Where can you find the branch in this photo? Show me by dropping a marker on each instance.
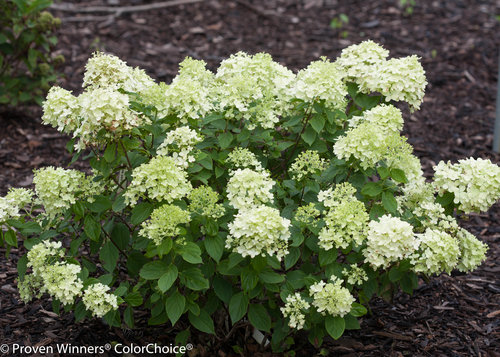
(120, 9)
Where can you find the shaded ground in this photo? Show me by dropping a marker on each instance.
(459, 45)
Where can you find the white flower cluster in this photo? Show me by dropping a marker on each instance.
(14, 201)
(294, 309)
(97, 299)
(321, 80)
(474, 182)
(179, 144)
(307, 214)
(159, 179)
(358, 61)
(355, 275)
(108, 71)
(101, 112)
(399, 79)
(254, 88)
(190, 93)
(164, 223)
(331, 298)
(57, 188)
(306, 164)
(247, 188)
(389, 240)
(243, 158)
(385, 116)
(472, 251)
(345, 220)
(203, 200)
(259, 230)
(50, 275)
(438, 252)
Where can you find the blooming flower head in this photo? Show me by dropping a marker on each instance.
(248, 188)
(253, 88)
(97, 299)
(203, 201)
(384, 115)
(259, 230)
(108, 71)
(159, 179)
(57, 188)
(294, 309)
(438, 252)
(355, 275)
(357, 61)
(474, 182)
(164, 223)
(472, 251)
(307, 214)
(331, 298)
(306, 164)
(321, 80)
(389, 240)
(179, 144)
(189, 94)
(15, 200)
(60, 280)
(345, 220)
(43, 254)
(242, 158)
(61, 110)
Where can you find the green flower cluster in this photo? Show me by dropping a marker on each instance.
(164, 223)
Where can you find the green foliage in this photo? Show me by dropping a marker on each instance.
(26, 42)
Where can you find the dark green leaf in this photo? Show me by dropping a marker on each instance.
(335, 326)
(357, 310)
(225, 140)
(318, 123)
(10, 238)
(141, 212)
(223, 289)
(134, 298)
(249, 279)
(92, 228)
(214, 246)
(270, 277)
(174, 306)
(191, 253)
(109, 255)
(194, 279)
(167, 279)
(309, 135)
(351, 323)
(399, 175)
(238, 306)
(153, 270)
(120, 235)
(327, 256)
(389, 202)
(202, 322)
(259, 318)
(292, 257)
(371, 189)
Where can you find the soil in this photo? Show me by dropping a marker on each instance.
(458, 42)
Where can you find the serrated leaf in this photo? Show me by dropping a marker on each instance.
(371, 189)
(259, 318)
(153, 270)
(109, 255)
(223, 289)
(168, 279)
(358, 310)
(141, 212)
(120, 235)
(191, 253)
(309, 135)
(383, 172)
(214, 246)
(318, 123)
(335, 326)
(225, 140)
(174, 306)
(389, 202)
(399, 175)
(202, 322)
(238, 306)
(134, 298)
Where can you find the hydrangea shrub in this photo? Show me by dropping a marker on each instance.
(252, 194)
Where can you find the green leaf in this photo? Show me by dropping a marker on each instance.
(395, 274)
(167, 279)
(80, 311)
(292, 257)
(10, 238)
(153, 270)
(383, 172)
(194, 279)
(109, 255)
(92, 228)
(317, 123)
(389, 202)
(120, 235)
(119, 204)
(134, 298)
(191, 253)
(225, 140)
(128, 317)
(214, 246)
(309, 135)
(249, 279)
(22, 264)
(376, 211)
(371, 189)
(202, 322)
(109, 153)
(357, 310)
(259, 318)
(238, 306)
(327, 256)
(335, 326)
(223, 289)
(351, 323)
(141, 212)
(270, 277)
(174, 306)
(399, 175)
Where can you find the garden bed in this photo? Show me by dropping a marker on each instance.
(458, 43)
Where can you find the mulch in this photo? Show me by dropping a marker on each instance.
(458, 42)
